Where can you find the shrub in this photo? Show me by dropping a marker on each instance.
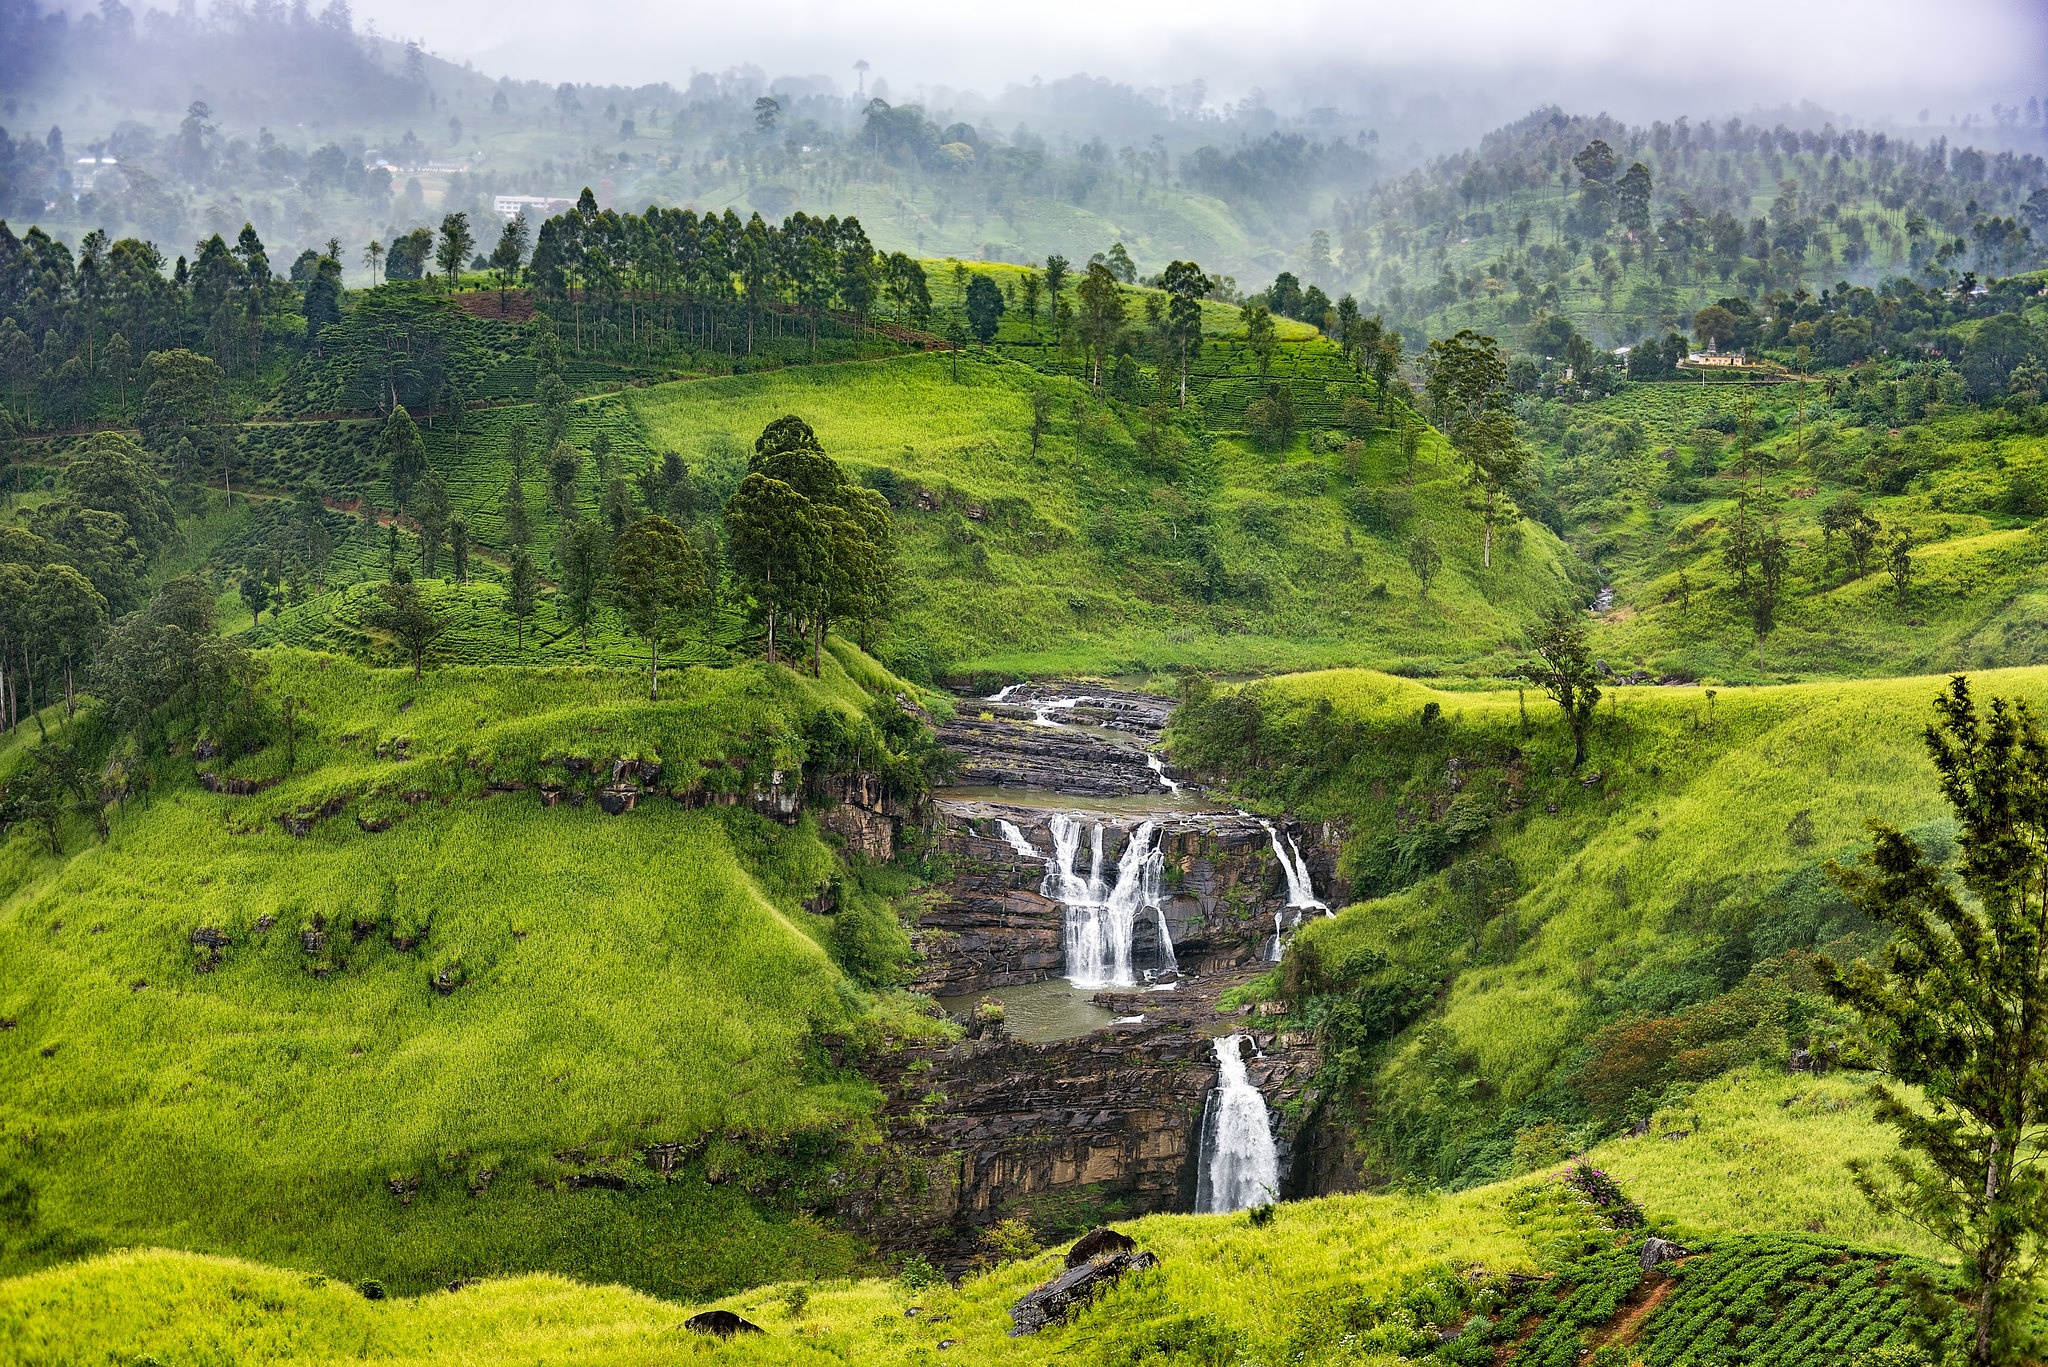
(1383, 512)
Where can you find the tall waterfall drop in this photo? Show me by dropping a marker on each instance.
(1301, 891)
(1102, 918)
(1240, 1167)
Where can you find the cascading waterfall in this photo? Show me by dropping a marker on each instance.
(1158, 766)
(1017, 841)
(1005, 691)
(1239, 1166)
(1041, 712)
(1102, 918)
(1301, 891)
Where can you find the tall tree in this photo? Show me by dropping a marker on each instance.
(1563, 668)
(1101, 318)
(69, 614)
(184, 399)
(403, 453)
(1259, 335)
(1466, 380)
(433, 522)
(1187, 286)
(775, 544)
(408, 617)
(984, 308)
(1957, 1008)
(508, 255)
(582, 552)
(513, 514)
(657, 576)
(522, 593)
(456, 246)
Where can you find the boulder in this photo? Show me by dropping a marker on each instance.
(1657, 1251)
(1072, 1290)
(1097, 1242)
(721, 1323)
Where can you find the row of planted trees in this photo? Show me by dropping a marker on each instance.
(642, 284)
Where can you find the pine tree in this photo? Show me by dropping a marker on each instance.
(1957, 1005)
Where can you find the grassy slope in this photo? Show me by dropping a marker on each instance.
(1053, 590)
(1679, 845)
(623, 981)
(1219, 1275)
(1979, 555)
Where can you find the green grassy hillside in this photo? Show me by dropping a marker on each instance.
(422, 1052)
(1538, 957)
(1133, 540)
(1097, 556)
(1323, 1281)
(1646, 487)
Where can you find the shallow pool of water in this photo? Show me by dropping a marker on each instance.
(1041, 1012)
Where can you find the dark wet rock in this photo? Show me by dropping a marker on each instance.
(619, 798)
(1022, 754)
(993, 926)
(1072, 1290)
(210, 937)
(719, 1323)
(1097, 1242)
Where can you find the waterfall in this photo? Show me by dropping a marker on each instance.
(1001, 693)
(1158, 766)
(1301, 891)
(1017, 841)
(1239, 1165)
(1040, 710)
(1102, 918)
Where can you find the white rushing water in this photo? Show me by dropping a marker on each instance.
(1041, 712)
(1001, 693)
(1301, 891)
(1158, 766)
(1017, 841)
(1102, 917)
(1240, 1168)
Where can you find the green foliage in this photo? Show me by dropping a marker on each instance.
(414, 938)
(1957, 1002)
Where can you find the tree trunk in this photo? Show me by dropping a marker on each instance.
(1486, 556)
(653, 670)
(70, 698)
(1578, 748)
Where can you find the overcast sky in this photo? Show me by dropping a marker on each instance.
(1638, 58)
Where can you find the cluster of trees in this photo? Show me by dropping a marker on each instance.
(802, 547)
(73, 563)
(808, 545)
(1552, 203)
(76, 331)
(644, 283)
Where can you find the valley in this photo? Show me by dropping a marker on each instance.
(1101, 724)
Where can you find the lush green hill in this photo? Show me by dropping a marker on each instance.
(1649, 483)
(1134, 539)
(414, 1053)
(1321, 1282)
(1538, 957)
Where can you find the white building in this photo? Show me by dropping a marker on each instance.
(536, 207)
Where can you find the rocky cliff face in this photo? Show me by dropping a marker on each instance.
(994, 927)
(1064, 1135)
